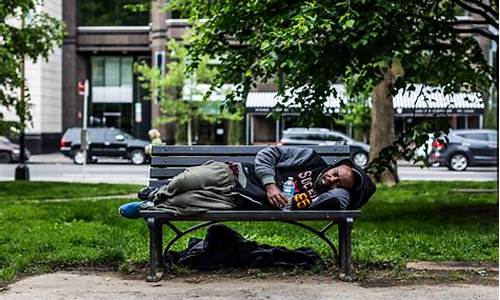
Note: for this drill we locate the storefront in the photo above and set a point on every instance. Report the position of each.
(464, 110)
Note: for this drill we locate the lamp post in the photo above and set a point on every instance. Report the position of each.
(22, 171)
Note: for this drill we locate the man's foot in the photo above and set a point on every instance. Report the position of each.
(131, 210)
(147, 193)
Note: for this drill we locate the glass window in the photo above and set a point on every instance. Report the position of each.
(97, 71)
(96, 134)
(474, 136)
(492, 137)
(126, 71)
(110, 13)
(112, 71)
(335, 138)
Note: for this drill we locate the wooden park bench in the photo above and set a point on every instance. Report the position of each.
(168, 161)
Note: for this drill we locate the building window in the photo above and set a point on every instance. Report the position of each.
(111, 13)
(112, 79)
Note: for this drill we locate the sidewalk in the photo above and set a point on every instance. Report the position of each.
(108, 286)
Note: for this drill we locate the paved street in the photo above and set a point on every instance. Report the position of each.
(55, 167)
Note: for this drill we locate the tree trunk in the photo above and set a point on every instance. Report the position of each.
(382, 128)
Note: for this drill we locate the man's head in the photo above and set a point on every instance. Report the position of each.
(340, 176)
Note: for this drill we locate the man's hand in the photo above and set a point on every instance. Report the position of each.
(275, 196)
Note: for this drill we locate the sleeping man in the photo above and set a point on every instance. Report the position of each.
(234, 185)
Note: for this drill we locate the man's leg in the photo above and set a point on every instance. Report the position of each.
(212, 182)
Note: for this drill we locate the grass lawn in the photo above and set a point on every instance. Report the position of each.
(410, 222)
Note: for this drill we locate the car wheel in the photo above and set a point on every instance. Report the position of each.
(458, 162)
(360, 158)
(138, 157)
(5, 157)
(78, 157)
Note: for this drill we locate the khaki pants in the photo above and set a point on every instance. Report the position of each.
(198, 189)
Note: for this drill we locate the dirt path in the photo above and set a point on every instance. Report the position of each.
(109, 286)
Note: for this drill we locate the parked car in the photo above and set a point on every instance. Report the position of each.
(103, 142)
(463, 148)
(323, 136)
(10, 152)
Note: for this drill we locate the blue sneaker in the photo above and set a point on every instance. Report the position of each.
(131, 210)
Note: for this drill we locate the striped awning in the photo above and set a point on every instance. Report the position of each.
(423, 100)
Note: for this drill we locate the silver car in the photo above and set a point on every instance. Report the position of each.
(324, 136)
(10, 152)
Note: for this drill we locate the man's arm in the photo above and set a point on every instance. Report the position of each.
(266, 162)
(271, 158)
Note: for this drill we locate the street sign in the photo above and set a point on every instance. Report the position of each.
(83, 88)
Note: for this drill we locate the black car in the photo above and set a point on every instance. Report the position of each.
(463, 148)
(103, 142)
(323, 136)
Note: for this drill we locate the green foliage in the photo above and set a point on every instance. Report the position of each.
(357, 114)
(25, 32)
(411, 222)
(316, 44)
(236, 129)
(169, 89)
(311, 45)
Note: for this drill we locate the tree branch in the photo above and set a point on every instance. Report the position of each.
(478, 11)
(486, 34)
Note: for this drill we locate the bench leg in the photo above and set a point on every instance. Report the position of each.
(345, 250)
(155, 268)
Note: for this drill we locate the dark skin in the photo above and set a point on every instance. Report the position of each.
(340, 176)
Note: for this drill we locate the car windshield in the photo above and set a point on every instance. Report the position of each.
(4, 140)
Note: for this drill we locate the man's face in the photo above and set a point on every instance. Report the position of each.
(340, 176)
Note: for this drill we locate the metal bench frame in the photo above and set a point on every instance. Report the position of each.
(168, 161)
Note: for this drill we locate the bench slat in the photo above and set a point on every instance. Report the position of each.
(256, 215)
(189, 161)
(224, 150)
(175, 165)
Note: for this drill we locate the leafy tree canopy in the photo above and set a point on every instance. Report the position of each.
(32, 38)
(314, 44)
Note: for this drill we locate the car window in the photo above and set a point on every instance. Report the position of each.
(112, 133)
(96, 134)
(4, 140)
(474, 136)
(492, 137)
(335, 138)
(72, 134)
(295, 136)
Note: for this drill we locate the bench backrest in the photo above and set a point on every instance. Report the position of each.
(168, 161)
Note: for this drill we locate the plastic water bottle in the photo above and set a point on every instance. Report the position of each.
(289, 190)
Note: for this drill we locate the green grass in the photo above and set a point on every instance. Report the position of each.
(19, 190)
(410, 222)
